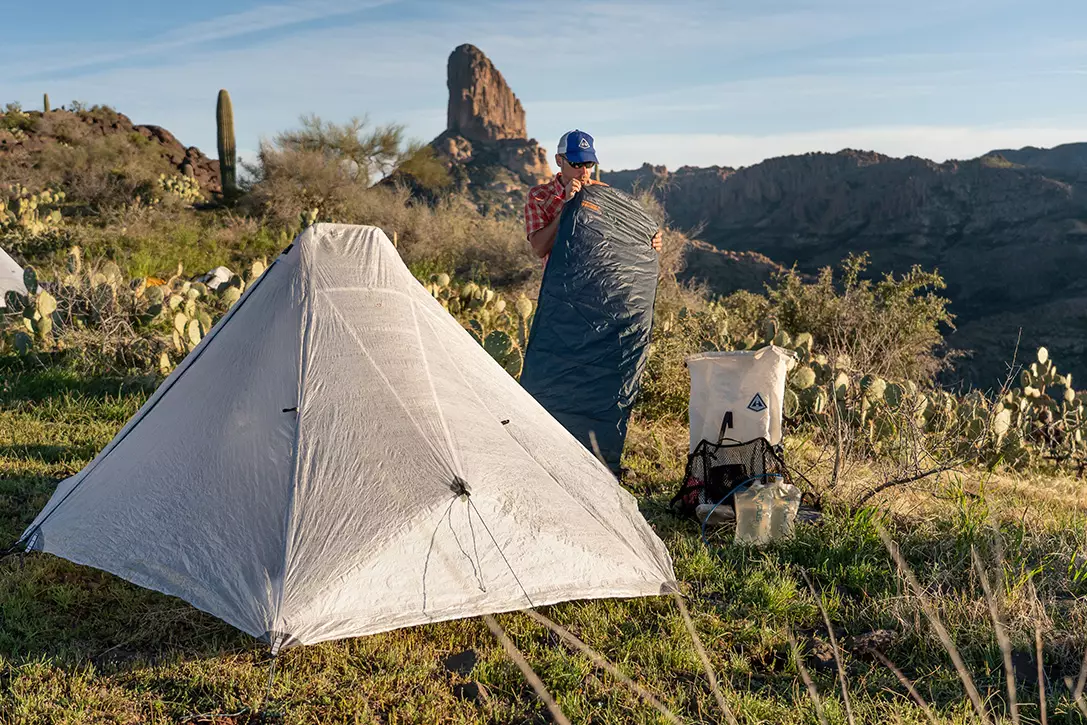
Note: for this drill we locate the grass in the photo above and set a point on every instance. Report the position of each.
(78, 645)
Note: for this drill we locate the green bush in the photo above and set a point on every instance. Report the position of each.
(890, 327)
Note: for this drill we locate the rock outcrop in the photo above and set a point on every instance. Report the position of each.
(485, 146)
(482, 107)
(1010, 239)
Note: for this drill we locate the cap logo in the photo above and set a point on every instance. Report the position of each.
(584, 143)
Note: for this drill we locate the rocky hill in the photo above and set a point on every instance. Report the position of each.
(1069, 158)
(37, 131)
(1007, 230)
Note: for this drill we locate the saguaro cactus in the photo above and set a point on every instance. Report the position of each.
(224, 121)
(45, 104)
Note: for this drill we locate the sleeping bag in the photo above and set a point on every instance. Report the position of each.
(590, 336)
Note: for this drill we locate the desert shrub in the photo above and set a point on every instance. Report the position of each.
(453, 236)
(151, 241)
(91, 317)
(16, 121)
(888, 327)
(100, 173)
(449, 234)
(365, 155)
(290, 182)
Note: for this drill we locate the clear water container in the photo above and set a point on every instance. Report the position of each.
(766, 511)
(784, 505)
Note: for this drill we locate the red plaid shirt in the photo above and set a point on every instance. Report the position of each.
(544, 204)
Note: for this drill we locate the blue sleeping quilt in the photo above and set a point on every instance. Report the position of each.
(590, 336)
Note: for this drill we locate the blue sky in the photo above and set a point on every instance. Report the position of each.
(681, 82)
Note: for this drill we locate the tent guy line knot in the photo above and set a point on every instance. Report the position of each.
(459, 486)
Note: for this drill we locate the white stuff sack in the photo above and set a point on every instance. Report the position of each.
(737, 396)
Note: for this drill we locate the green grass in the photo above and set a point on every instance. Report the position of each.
(78, 645)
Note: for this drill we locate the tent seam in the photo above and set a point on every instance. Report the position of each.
(335, 310)
(458, 464)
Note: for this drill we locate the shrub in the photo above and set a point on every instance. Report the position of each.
(890, 327)
(325, 166)
(290, 182)
(101, 173)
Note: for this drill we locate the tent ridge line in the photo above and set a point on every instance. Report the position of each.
(292, 485)
(187, 363)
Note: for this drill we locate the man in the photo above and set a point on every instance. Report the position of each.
(575, 158)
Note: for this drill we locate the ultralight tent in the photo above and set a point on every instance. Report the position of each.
(339, 457)
(11, 277)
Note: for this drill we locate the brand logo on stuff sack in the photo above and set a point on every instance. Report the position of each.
(756, 404)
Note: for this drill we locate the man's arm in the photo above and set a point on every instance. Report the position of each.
(542, 240)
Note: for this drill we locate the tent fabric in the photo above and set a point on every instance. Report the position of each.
(11, 277)
(301, 474)
(738, 395)
(590, 336)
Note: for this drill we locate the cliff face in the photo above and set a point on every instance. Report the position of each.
(485, 145)
(1009, 238)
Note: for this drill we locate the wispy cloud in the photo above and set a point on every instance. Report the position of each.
(689, 81)
(225, 27)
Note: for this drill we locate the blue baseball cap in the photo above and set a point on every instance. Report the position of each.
(577, 147)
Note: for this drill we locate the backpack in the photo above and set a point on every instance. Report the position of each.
(715, 471)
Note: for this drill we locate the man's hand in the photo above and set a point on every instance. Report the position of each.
(572, 187)
(657, 240)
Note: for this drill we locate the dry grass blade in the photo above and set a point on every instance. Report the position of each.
(934, 621)
(600, 661)
(1041, 673)
(1076, 697)
(812, 692)
(1001, 634)
(1078, 692)
(905, 683)
(705, 660)
(834, 648)
(526, 670)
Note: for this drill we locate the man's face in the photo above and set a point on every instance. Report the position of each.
(569, 172)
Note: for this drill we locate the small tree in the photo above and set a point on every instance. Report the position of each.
(331, 167)
(364, 154)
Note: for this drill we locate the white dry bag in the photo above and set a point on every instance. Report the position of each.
(737, 396)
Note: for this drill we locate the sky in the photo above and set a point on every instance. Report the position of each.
(698, 82)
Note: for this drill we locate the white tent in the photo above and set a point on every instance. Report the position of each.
(11, 276)
(323, 495)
